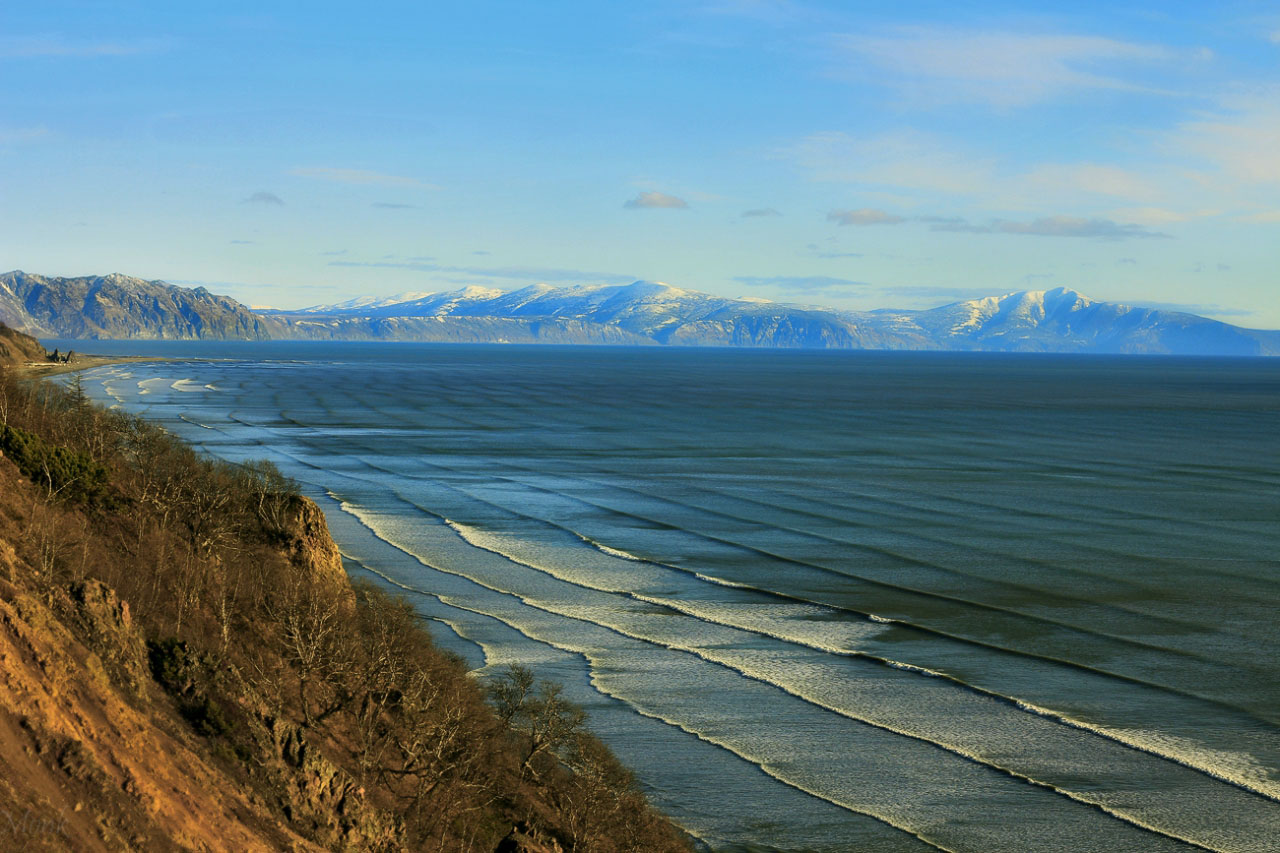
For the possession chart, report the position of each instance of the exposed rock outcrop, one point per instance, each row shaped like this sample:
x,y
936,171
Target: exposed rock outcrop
x,y
310,548
85,768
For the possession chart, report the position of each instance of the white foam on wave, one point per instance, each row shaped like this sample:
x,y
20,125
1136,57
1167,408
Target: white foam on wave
x,y
612,552
145,386
187,385
1234,767
184,417
530,618
1240,769
721,581
801,624
789,673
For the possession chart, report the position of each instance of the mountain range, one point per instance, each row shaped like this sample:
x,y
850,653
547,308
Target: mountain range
x,y
641,313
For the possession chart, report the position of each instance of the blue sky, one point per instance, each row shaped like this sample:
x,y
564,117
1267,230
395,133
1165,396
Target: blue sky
x,y
861,155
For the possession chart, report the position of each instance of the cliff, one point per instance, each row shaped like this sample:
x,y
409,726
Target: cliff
x,y
184,665
17,348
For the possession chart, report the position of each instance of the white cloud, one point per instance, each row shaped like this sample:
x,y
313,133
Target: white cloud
x,y
656,200
1266,217
905,159
1090,179
20,135
27,47
769,11
1160,215
362,176
999,68
1242,141
263,197
1274,37
1046,226
863,216
801,283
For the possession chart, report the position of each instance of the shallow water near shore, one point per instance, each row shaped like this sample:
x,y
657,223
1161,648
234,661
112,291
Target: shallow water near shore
x,y
819,601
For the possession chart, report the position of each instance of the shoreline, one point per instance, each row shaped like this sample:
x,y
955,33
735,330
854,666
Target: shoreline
x,y
82,362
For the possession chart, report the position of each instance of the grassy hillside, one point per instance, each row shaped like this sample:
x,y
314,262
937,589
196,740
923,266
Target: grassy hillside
x,y
186,666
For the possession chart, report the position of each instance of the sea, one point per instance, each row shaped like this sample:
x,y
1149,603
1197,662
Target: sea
x,y
818,601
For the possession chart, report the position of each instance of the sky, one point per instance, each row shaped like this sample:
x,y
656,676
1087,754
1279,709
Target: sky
x,y
858,155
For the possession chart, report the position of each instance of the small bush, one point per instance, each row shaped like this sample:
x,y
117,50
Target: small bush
x,y
63,472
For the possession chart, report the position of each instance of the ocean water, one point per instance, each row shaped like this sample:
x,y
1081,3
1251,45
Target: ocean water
x,y
820,601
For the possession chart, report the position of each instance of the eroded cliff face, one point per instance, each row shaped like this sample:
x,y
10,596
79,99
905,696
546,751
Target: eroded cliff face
x,y
17,348
97,757
93,761
310,548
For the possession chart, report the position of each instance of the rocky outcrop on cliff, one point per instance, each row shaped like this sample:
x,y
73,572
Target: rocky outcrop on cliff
x,y
89,763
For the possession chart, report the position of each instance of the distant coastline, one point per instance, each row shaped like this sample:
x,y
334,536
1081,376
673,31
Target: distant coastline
x,y
642,313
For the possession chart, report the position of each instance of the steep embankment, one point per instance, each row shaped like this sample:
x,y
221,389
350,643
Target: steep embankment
x,y
184,665
17,348
97,757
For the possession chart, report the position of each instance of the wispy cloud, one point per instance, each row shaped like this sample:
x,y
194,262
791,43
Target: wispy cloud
x,y
801,283
1239,142
830,254
907,159
334,252
1201,309
242,242
933,294
389,205
761,211
1266,217
770,11
263,197
1001,68
26,47
511,272
863,216
655,199
20,135
361,177
1047,226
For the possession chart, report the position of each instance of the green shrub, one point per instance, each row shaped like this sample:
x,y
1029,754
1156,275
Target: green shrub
x,y
63,472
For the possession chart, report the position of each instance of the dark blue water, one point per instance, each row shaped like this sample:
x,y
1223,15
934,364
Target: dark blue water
x,y
821,601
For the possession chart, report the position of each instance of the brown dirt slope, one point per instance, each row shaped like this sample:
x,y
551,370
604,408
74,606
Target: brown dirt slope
x,y
17,348
88,766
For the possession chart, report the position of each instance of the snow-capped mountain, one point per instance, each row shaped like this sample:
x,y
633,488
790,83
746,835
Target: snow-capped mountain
x,y
640,313
1059,320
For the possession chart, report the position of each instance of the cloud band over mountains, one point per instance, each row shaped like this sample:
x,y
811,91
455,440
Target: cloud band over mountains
x,y
1046,226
